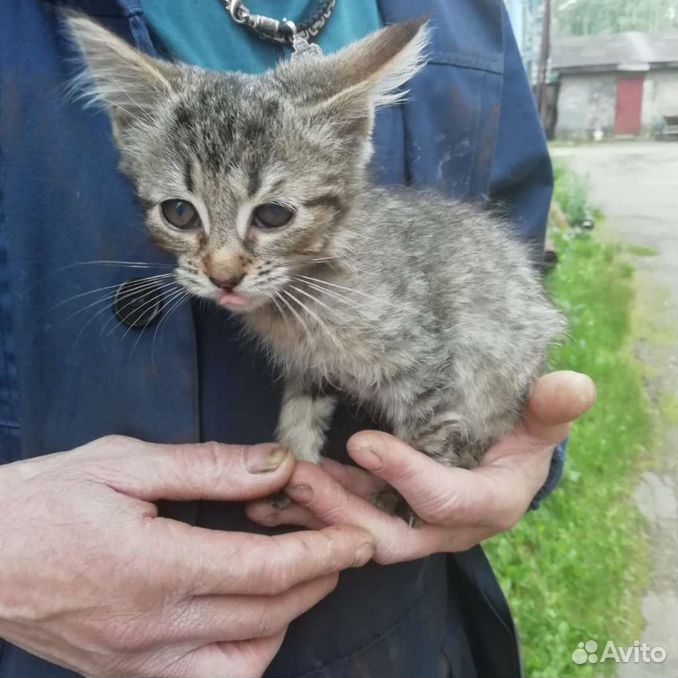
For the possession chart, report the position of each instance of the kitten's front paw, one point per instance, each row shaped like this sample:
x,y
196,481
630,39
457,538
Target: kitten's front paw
x,y
280,500
303,452
392,502
311,456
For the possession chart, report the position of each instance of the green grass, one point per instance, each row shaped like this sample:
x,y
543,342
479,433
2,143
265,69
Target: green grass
x,y
642,251
571,193
574,569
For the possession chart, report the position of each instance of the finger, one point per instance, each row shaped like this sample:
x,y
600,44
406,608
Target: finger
x,y
354,479
329,501
454,540
209,619
201,471
436,493
449,540
492,496
239,659
556,399
208,561
265,513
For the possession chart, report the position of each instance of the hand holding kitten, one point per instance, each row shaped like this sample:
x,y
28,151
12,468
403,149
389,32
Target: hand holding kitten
x,y
460,507
91,577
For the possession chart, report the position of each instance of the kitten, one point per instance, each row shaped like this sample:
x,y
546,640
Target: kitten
x,y
425,310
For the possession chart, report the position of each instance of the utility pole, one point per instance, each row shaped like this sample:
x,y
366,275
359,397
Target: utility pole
x,y
543,61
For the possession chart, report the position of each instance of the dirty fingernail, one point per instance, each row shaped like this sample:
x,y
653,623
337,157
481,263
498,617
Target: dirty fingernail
x,y
264,459
363,555
280,501
302,494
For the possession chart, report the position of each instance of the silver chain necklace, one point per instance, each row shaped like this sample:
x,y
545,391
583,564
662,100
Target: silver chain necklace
x,y
284,31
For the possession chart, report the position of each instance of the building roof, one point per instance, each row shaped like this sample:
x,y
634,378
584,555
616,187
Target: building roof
x,y
632,50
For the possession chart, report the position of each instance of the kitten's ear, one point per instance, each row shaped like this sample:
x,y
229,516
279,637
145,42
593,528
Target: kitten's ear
x,y
377,66
127,82
351,83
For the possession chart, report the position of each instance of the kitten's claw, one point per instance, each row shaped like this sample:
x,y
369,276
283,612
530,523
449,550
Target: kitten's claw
x,y
280,501
391,502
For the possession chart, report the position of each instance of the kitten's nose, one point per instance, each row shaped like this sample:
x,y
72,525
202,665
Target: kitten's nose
x,y
227,283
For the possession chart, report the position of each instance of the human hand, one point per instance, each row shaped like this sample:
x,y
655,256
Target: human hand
x,y
92,579
459,508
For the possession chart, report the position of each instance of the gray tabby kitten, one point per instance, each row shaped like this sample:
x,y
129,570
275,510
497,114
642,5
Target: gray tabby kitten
x,y
423,309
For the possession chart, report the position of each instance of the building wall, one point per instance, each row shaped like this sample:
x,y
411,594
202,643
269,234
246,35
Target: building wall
x,y
660,97
586,102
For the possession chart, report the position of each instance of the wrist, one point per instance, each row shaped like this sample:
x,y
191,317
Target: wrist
x,y
556,466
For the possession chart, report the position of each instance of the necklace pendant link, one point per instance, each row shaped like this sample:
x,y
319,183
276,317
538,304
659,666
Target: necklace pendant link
x,y
237,10
284,31
302,48
265,25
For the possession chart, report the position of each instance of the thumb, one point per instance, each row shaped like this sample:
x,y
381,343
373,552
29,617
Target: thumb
x,y
197,471
556,400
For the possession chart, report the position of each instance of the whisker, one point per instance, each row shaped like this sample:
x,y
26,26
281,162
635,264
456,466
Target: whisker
x,y
280,310
105,300
296,315
321,259
358,323
332,293
179,300
321,323
155,333
350,251
355,233
130,296
310,262
107,297
102,262
96,315
341,287
114,262
121,262
110,296
168,310
140,312
103,289
315,299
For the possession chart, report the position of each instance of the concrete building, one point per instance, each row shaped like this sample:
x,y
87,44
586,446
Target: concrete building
x,y
623,84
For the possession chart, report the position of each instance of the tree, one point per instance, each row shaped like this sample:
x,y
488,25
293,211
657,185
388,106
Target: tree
x,y
590,17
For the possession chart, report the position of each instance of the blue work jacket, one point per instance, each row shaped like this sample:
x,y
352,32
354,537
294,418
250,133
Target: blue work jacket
x,y
469,128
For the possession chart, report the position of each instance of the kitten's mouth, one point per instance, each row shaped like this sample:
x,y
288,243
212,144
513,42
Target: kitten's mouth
x,y
234,300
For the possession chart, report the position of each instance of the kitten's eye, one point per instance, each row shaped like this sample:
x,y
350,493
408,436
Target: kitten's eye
x,y
271,215
180,213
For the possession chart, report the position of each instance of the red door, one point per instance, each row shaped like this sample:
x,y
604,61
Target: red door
x,y
629,104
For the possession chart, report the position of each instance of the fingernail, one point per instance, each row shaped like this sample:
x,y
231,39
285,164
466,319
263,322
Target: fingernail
x,y
271,519
264,459
302,494
363,555
367,458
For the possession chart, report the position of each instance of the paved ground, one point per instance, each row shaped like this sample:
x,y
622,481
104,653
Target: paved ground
x,y
636,185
